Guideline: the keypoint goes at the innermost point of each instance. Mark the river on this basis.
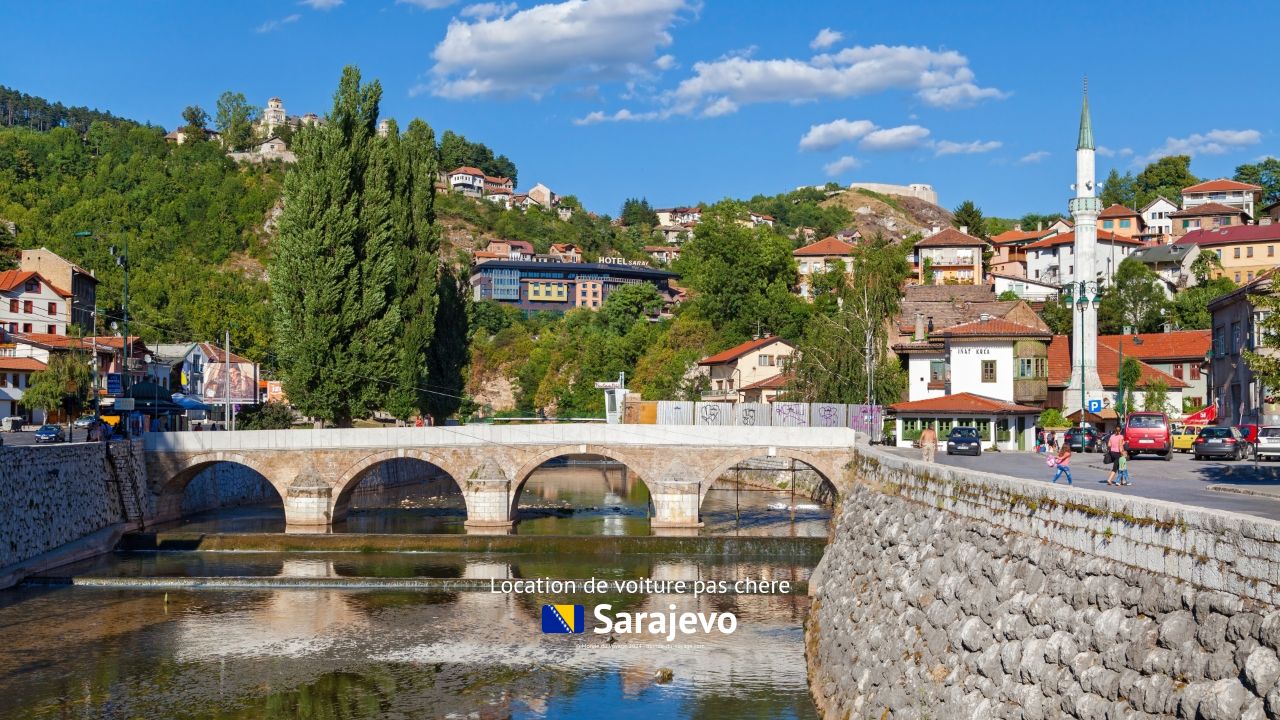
(120, 646)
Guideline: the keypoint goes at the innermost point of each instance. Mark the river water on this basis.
(130, 649)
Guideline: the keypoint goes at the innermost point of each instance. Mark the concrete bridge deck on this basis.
(315, 471)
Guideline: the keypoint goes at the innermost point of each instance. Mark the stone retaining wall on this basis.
(54, 495)
(954, 594)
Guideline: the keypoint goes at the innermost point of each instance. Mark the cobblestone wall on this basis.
(951, 594)
(54, 495)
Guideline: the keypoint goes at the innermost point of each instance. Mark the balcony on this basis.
(720, 396)
(1030, 390)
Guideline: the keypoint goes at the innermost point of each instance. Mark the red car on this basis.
(1148, 432)
(1250, 433)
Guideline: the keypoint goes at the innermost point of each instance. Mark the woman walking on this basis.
(1063, 464)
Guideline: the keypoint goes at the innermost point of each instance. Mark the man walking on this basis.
(1115, 448)
(928, 443)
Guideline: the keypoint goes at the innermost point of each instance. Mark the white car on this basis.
(1268, 446)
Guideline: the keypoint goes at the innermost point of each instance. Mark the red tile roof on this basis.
(1117, 210)
(1210, 208)
(951, 237)
(661, 248)
(14, 279)
(48, 340)
(1015, 236)
(995, 327)
(215, 354)
(467, 169)
(1219, 185)
(1108, 366)
(963, 404)
(775, 382)
(26, 364)
(1230, 234)
(1157, 347)
(825, 246)
(1070, 238)
(738, 351)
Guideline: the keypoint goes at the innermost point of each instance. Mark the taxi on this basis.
(1185, 436)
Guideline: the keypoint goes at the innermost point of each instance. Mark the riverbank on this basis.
(955, 593)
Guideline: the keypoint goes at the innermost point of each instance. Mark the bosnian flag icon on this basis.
(563, 619)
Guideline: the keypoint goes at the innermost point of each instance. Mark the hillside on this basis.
(896, 216)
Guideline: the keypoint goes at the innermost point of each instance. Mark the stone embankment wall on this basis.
(954, 594)
(52, 496)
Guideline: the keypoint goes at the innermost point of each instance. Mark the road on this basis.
(1181, 480)
(28, 437)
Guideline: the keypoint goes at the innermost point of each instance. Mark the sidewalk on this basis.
(1260, 490)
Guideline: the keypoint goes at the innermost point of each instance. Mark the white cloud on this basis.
(1105, 151)
(623, 115)
(534, 50)
(666, 62)
(487, 10)
(321, 4)
(722, 106)
(1214, 142)
(902, 137)
(844, 164)
(428, 4)
(270, 25)
(939, 78)
(1033, 157)
(829, 135)
(947, 147)
(825, 38)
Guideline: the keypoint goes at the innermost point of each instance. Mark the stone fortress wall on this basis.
(920, 191)
(957, 594)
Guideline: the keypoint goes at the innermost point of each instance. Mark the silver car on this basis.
(1268, 442)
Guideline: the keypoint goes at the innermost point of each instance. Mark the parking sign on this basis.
(1094, 406)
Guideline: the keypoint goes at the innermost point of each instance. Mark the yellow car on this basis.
(1185, 436)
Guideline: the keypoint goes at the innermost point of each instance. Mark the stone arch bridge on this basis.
(315, 471)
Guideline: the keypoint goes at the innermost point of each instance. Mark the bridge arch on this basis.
(171, 489)
(351, 477)
(632, 463)
(828, 472)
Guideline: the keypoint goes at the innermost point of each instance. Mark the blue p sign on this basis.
(1094, 406)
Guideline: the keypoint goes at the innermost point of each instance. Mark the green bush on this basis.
(911, 435)
(1053, 418)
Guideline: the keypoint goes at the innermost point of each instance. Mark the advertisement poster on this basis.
(243, 379)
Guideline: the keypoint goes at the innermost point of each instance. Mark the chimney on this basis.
(920, 332)
(1017, 227)
(984, 317)
(964, 229)
(1039, 225)
(936, 230)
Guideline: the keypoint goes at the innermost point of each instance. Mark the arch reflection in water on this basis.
(769, 496)
(583, 495)
(401, 495)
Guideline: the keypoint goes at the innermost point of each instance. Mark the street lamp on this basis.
(1083, 295)
(122, 260)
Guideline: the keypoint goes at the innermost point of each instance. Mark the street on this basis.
(28, 437)
(1180, 480)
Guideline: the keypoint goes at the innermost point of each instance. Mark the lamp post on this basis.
(1081, 295)
(122, 260)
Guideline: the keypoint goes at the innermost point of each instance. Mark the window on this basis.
(32, 286)
(1237, 277)
(13, 305)
(1271, 251)
(53, 329)
(1177, 370)
(1248, 252)
(764, 360)
(28, 307)
(1235, 338)
(1195, 371)
(988, 371)
(1107, 224)
(1250, 276)
(1125, 223)
(1235, 253)
(1219, 341)
(937, 372)
(26, 327)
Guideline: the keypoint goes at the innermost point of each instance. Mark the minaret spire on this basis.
(1086, 127)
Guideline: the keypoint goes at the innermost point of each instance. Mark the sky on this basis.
(681, 101)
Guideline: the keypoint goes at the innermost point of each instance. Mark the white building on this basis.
(1053, 259)
(1024, 288)
(273, 116)
(31, 304)
(467, 180)
(1224, 192)
(1156, 221)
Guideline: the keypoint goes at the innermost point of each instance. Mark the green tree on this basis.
(267, 416)
(1155, 396)
(449, 353)
(843, 356)
(333, 276)
(637, 211)
(1118, 189)
(196, 120)
(65, 384)
(628, 305)
(1265, 361)
(1008, 295)
(1031, 221)
(1129, 376)
(968, 215)
(1207, 262)
(1135, 298)
(1166, 176)
(1189, 309)
(234, 120)
(1266, 174)
(1057, 316)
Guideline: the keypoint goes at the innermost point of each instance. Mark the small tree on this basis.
(1130, 374)
(196, 120)
(1266, 366)
(1203, 267)
(1008, 295)
(268, 416)
(1053, 418)
(64, 385)
(926, 269)
(1155, 395)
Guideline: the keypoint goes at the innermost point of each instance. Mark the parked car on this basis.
(1148, 432)
(13, 423)
(964, 440)
(1268, 445)
(1250, 434)
(1224, 442)
(1083, 439)
(1185, 436)
(84, 421)
(50, 433)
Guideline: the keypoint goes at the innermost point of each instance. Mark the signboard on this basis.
(275, 392)
(242, 376)
(123, 404)
(115, 384)
(611, 385)
(1094, 406)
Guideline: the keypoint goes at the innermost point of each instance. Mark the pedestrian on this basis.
(1051, 442)
(1039, 439)
(1115, 451)
(1123, 464)
(928, 443)
(1063, 465)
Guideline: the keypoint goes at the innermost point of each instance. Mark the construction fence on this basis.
(865, 418)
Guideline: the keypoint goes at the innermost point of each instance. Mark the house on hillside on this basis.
(467, 180)
(731, 371)
(29, 303)
(1231, 193)
(1052, 259)
(1245, 251)
(950, 256)
(822, 256)
(1009, 254)
(1207, 216)
(666, 254)
(1157, 220)
(543, 195)
(66, 275)
(1024, 288)
(1120, 220)
(1171, 262)
(566, 252)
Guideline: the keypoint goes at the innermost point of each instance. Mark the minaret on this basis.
(1085, 207)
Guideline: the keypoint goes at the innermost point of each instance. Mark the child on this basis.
(1123, 463)
(1064, 464)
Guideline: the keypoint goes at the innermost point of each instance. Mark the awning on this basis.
(188, 403)
(1202, 417)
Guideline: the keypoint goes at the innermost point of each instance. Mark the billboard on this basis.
(243, 378)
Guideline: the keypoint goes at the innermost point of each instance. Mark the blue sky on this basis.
(680, 101)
